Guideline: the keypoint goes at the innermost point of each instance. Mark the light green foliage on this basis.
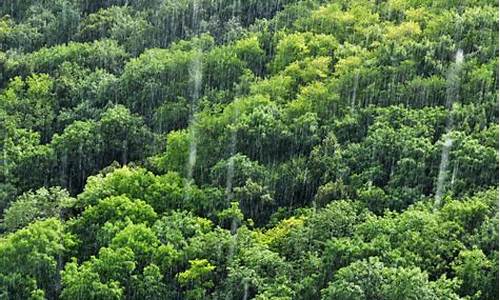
(196, 278)
(150, 284)
(140, 239)
(370, 279)
(251, 149)
(295, 47)
(83, 283)
(29, 259)
(31, 103)
(231, 217)
(42, 204)
(176, 155)
(250, 51)
(100, 223)
(117, 23)
(178, 227)
(105, 54)
(131, 182)
(474, 270)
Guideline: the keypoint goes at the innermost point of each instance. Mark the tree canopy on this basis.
(250, 149)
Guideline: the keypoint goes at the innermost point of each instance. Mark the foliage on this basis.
(257, 149)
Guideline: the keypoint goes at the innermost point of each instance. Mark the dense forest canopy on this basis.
(249, 149)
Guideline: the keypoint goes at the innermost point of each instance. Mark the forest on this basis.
(249, 149)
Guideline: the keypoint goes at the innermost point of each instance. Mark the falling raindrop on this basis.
(230, 166)
(230, 172)
(443, 168)
(245, 291)
(453, 81)
(454, 174)
(354, 90)
(5, 159)
(196, 78)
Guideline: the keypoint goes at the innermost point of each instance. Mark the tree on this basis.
(256, 149)
(31, 103)
(83, 283)
(474, 270)
(156, 76)
(150, 285)
(78, 150)
(118, 23)
(32, 257)
(370, 279)
(175, 157)
(104, 54)
(125, 135)
(98, 225)
(128, 181)
(41, 204)
(196, 279)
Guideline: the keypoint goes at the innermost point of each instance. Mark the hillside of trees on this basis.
(249, 149)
